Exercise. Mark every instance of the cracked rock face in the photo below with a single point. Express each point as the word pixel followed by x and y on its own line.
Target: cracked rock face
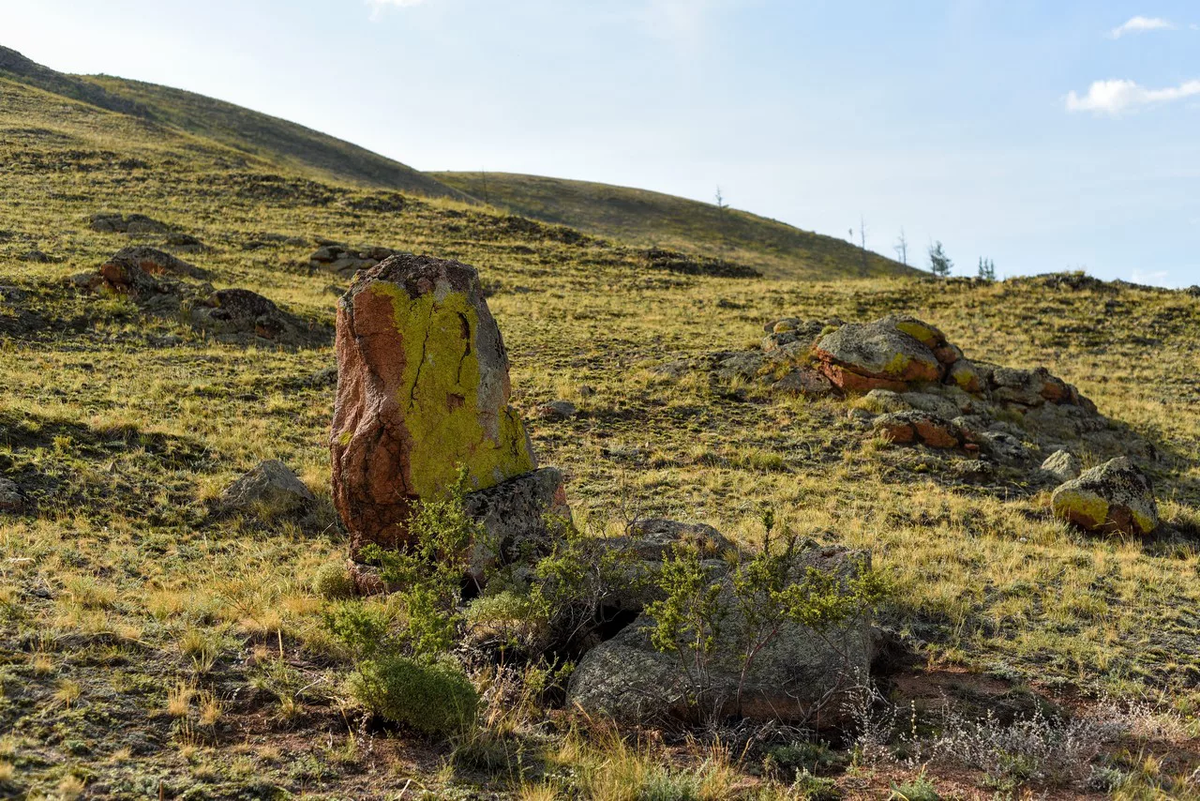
pixel 423 391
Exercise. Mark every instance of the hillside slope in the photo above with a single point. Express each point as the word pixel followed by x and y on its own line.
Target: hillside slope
pixel 279 142
pixel 653 218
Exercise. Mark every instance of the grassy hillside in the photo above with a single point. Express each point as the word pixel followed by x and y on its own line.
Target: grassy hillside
pixel 652 218
pixel 279 142
pixel 151 649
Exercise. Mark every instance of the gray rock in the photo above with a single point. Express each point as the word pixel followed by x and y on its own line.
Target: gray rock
pixel 894 350
pixel 268 490
pixel 556 410
pixel 1003 447
pixel 1063 466
pixel 1114 497
pixel 12 500
pixel 522 516
pixel 653 539
pixel 627 679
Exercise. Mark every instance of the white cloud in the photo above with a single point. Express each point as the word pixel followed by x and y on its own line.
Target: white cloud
pixel 1117 96
pixel 1141 25
pixel 1152 278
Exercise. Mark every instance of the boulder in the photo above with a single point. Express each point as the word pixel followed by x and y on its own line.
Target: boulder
pixel 238 314
pixel 521 517
pixel 423 391
pixel 886 354
pixel 795 675
pixel 1114 497
pixel 1063 466
pixel 12 500
pixel 268 490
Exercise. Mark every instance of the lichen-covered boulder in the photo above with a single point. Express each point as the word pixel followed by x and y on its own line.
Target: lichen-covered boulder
pixel 886 354
pixel 627 679
pixel 1114 497
pixel 423 391
pixel 267 490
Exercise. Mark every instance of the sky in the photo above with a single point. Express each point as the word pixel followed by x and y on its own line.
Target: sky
pixel 1044 136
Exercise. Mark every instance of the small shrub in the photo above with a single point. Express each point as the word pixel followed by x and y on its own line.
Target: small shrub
pixel 919 789
pixel 361 628
pixel 434 698
pixel 815 788
pixel 333 582
pixel 802 757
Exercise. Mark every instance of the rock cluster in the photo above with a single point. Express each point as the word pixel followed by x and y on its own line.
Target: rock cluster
pixel 912 386
pixel 156 282
pixel 346 261
pixel 423 393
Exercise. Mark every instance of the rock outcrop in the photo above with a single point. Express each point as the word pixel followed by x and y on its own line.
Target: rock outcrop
pixel 423 392
pixel 150 261
pixel 12 500
pixel 1113 497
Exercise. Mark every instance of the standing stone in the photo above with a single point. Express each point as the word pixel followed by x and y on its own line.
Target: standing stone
pixel 423 392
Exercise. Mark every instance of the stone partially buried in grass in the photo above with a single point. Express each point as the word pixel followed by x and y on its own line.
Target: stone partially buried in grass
pixel 423 391
pixel 1114 497
pixel 267 490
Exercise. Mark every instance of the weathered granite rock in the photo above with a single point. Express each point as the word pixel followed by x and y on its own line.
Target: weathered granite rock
pixel 809 383
pixel 113 223
pixel 269 489
pixel 521 517
pixel 556 411
pixel 1063 466
pixel 1114 497
pixel 423 392
pixel 908 428
pixel 627 679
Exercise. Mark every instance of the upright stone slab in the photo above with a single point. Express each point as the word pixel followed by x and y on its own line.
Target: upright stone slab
pixel 423 389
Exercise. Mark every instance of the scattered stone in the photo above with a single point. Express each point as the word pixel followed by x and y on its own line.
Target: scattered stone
pixel 112 223
pixel 586 391
pixel 37 257
pixel 186 242
pixel 808 383
pixel 12 500
pixel 423 390
pixel 1063 466
pixel 556 411
pixel 1114 497
pixel 655 538
pixel 267 490
pixel 627 679
pixel 152 262
pixel 346 261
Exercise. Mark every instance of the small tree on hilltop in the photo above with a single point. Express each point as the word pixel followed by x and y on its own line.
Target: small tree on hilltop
pixel 987 269
pixel 939 263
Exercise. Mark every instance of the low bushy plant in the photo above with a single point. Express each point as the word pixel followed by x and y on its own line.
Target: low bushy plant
pixel 333 582
pixel 435 698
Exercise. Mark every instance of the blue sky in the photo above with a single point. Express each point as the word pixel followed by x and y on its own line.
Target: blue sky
pixel 1044 135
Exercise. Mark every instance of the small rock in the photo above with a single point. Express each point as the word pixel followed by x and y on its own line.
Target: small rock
pixel 1063 465
pixel 556 411
pixel 808 383
pixel 37 256
pixel 1114 497
pixel 269 490
pixel 12 500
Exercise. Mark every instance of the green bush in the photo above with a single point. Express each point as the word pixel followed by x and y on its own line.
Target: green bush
pixel 433 698
pixel 333 582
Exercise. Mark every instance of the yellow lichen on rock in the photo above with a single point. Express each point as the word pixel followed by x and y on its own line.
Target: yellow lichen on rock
pixel 1086 509
pixel 440 392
